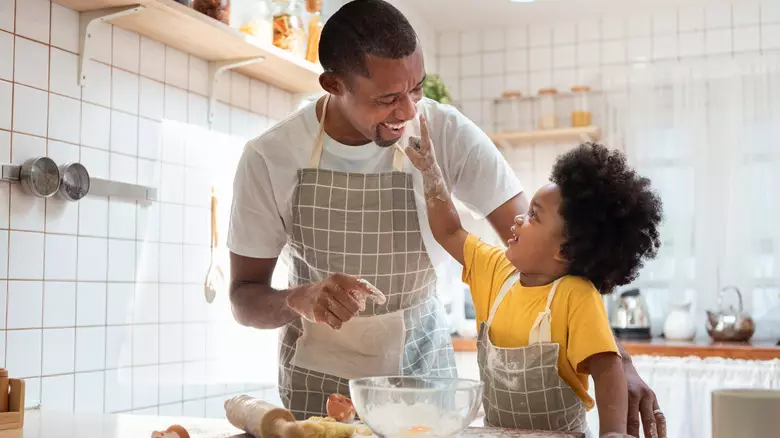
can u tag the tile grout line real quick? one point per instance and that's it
(10, 153)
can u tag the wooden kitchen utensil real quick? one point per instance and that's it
(214, 277)
(261, 419)
(14, 418)
(4, 396)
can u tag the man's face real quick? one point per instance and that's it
(378, 106)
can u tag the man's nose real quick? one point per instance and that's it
(406, 109)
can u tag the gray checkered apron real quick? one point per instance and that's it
(522, 387)
(364, 225)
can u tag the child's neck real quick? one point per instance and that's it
(533, 280)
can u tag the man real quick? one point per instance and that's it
(329, 184)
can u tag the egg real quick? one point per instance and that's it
(182, 432)
(340, 408)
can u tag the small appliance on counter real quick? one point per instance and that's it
(629, 317)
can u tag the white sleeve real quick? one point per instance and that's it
(256, 227)
(480, 175)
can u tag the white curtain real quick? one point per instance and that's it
(684, 387)
(706, 133)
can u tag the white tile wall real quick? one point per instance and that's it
(477, 66)
(101, 302)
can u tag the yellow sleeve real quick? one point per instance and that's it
(589, 329)
(485, 267)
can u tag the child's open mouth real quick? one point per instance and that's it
(514, 239)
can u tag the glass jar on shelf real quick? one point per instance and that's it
(254, 18)
(314, 7)
(216, 9)
(580, 115)
(506, 112)
(289, 33)
(547, 117)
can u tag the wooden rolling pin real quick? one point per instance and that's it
(261, 419)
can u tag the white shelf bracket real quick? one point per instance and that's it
(87, 21)
(216, 68)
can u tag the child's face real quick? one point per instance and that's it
(538, 236)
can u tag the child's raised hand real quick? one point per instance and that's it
(420, 150)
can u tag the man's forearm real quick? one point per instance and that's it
(261, 306)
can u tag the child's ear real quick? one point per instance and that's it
(560, 258)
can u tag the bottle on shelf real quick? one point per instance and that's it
(314, 7)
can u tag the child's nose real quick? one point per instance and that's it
(520, 219)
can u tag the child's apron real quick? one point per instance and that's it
(522, 387)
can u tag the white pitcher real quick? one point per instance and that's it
(679, 324)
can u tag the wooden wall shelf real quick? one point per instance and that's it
(509, 139)
(185, 29)
(661, 347)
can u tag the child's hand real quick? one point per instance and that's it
(420, 150)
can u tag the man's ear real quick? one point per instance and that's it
(332, 84)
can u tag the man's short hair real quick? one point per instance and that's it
(364, 28)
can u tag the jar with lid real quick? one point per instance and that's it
(547, 117)
(506, 112)
(289, 33)
(216, 9)
(580, 115)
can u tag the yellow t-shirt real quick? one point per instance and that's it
(579, 320)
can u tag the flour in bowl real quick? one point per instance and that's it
(396, 420)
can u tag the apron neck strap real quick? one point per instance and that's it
(541, 331)
(316, 155)
(501, 294)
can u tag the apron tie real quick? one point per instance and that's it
(540, 331)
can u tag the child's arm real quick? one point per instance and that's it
(611, 391)
(442, 215)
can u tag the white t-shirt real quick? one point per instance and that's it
(261, 213)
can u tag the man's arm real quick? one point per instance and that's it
(253, 301)
(503, 217)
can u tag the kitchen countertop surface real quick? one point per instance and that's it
(39, 424)
(703, 348)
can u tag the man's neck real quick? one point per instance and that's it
(337, 126)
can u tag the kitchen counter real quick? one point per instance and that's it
(702, 348)
(39, 424)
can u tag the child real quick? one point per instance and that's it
(585, 233)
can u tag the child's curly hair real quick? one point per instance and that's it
(611, 215)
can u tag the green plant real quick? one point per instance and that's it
(434, 88)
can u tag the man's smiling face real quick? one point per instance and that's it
(378, 106)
